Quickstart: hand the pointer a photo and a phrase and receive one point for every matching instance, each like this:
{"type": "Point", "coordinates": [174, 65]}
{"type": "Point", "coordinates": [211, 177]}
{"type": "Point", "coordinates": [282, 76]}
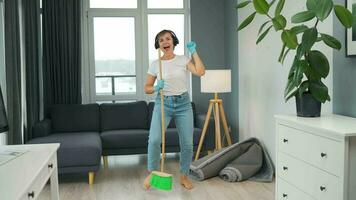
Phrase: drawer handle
{"type": "Point", "coordinates": [322, 188]}
{"type": "Point", "coordinates": [285, 168]}
{"type": "Point", "coordinates": [323, 155]}
{"type": "Point", "coordinates": [31, 194]}
{"type": "Point", "coordinates": [50, 166]}
{"type": "Point", "coordinates": [284, 195]}
{"type": "Point", "coordinates": [285, 140]}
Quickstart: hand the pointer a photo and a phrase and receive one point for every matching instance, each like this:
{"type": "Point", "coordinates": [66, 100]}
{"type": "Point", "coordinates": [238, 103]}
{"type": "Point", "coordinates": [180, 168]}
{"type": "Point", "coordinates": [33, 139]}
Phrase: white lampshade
{"type": "Point", "coordinates": [216, 81]}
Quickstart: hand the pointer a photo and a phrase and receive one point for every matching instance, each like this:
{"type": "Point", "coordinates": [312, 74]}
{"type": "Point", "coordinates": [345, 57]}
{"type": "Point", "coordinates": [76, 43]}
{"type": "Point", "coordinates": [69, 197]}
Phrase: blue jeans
{"type": "Point", "coordinates": [180, 109]}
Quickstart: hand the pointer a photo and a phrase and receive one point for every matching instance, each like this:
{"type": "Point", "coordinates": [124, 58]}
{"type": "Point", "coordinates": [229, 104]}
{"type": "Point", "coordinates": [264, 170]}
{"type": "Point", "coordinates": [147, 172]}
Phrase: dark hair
{"type": "Point", "coordinates": [174, 37]}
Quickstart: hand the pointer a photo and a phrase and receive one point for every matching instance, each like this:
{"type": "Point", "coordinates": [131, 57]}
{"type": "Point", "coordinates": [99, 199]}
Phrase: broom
{"type": "Point", "coordinates": [160, 179]}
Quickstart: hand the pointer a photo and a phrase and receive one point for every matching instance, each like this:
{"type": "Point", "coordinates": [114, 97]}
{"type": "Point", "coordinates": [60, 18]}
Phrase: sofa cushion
{"type": "Point", "coordinates": [119, 116]}
{"type": "Point", "coordinates": [76, 149]}
{"type": "Point", "coordinates": [172, 124]}
{"type": "Point", "coordinates": [129, 138]}
{"type": "Point", "coordinates": [75, 118]}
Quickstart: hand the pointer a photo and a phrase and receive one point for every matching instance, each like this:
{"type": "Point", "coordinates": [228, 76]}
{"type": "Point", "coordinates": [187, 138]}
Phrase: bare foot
{"type": "Point", "coordinates": [146, 182]}
{"type": "Point", "coordinates": [186, 182]}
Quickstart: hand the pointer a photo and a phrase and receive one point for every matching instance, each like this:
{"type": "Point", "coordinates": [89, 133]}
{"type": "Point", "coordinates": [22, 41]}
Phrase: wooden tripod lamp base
{"type": "Point", "coordinates": [215, 105]}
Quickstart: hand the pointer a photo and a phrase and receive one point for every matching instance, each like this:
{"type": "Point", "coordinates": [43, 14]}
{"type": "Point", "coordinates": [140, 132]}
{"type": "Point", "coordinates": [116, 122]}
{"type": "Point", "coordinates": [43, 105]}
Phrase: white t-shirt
{"type": "Point", "coordinates": [175, 74]}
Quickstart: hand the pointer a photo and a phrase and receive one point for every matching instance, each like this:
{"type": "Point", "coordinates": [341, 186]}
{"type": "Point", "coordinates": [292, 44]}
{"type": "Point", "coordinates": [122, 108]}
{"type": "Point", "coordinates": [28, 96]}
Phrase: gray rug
{"type": "Point", "coordinates": [246, 160]}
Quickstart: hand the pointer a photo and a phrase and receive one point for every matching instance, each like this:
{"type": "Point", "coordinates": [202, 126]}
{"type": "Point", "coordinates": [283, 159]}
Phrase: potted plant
{"type": "Point", "coordinates": [309, 65]}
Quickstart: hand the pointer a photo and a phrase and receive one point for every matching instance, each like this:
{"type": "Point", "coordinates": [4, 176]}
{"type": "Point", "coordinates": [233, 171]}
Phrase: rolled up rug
{"type": "Point", "coordinates": [244, 166]}
{"type": "Point", "coordinates": [210, 166]}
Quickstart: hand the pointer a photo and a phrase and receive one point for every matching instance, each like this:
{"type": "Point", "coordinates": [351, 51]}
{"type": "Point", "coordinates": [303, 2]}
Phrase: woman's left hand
{"type": "Point", "coordinates": [192, 47]}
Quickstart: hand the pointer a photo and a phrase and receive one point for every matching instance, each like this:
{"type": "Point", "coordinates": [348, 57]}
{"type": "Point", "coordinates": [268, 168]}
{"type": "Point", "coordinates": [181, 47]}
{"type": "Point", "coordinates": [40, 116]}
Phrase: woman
{"type": "Point", "coordinates": [177, 105]}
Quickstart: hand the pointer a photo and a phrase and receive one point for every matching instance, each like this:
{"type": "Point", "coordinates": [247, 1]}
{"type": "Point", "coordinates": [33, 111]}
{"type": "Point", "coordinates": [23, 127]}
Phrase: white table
{"type": "Point", "coordinates": [25, 176]}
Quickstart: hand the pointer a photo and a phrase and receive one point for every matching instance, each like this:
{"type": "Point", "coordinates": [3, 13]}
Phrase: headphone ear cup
{"type": "Point", "coordinates": [175, 41]}
{"type": "Point", "coordinates": [175, 38]}
{"type": "Point", "coordinates": [156, 42]}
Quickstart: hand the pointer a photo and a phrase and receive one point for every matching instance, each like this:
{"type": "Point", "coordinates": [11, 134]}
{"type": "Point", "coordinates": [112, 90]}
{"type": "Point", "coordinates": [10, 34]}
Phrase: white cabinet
{"type": "Point", "coordinates": [41, 179]}
{"type": "Point", "coordinates": [316, 158]}
{"type": "Point", "coordinates": [286, 191]}
{"type": "Point", "coordinates": [25, 176]}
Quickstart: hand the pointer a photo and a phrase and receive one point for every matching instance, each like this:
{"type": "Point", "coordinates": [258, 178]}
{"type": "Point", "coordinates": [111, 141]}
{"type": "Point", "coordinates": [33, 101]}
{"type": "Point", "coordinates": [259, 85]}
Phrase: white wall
{"type": "Point", "coordinates": [262, 79]}
{"type": "Point", "coordinates": [3, 138]}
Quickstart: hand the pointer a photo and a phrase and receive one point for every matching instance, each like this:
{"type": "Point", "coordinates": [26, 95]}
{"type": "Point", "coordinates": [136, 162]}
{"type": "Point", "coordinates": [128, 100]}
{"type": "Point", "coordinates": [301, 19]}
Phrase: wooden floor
{"type": "Point", "coordinates": [123, 180]}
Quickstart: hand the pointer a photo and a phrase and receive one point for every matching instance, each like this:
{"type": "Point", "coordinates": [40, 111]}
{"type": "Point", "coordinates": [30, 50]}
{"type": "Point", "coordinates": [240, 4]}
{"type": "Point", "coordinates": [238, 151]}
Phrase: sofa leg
{"type": "Point", "coordinates": [91, 178]}
{"type": "Point", "coordinates": [106, 162]}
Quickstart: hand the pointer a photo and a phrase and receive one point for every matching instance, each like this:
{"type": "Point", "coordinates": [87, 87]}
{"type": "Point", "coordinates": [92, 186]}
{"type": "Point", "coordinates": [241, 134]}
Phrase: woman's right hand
{"type": "Point", "coordinates": [159, 86]}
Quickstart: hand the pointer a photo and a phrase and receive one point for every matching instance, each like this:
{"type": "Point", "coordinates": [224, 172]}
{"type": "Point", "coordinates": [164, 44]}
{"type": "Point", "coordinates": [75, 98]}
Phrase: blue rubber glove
{"type": "Point", "coordinates": [192, 47]}
{"type": "Point", "coordinates": [159, 85]}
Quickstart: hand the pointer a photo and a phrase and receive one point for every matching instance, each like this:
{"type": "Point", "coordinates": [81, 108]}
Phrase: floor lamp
{"type": "Point", "coordinates": [215, 81]}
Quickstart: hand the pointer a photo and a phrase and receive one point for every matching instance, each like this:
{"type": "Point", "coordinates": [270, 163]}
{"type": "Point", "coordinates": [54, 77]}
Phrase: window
{"type": "Point", "coordinates": [113, 3]}
{"type": "Point", "coordinates": [114, 53]}
{"type": "Point", "coordinates": [119, 44]}
{"type": "Point", "coordinates": [164, 4]}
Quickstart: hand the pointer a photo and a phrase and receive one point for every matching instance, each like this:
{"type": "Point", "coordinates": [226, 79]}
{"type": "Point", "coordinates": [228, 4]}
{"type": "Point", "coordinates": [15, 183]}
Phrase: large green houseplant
{"type": "Point", "coordinates": [309, 65]}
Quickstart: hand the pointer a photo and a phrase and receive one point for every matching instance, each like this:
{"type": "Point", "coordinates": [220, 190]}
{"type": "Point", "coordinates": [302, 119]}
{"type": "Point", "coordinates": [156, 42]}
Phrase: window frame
{"type": "Point", "coordinates": [113, 13]}
{"type": "Point", "coordinates": [140, 15]}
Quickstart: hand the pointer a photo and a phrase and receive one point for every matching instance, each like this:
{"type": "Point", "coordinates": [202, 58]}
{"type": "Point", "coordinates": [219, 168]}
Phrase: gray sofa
{"type": "Point", "coordinates": [87, 132]}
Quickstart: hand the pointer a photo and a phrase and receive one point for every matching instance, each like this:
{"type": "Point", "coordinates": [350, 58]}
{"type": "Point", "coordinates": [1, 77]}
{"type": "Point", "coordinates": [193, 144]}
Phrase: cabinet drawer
{"type": "Point", "coordinates": [315, 182]}
{"type": "Point", "coordinates": [285, 191]}
{"type": "Point", "coordinates": [40, 179]}
{"type": "Point", "coordinates": [321, 152]}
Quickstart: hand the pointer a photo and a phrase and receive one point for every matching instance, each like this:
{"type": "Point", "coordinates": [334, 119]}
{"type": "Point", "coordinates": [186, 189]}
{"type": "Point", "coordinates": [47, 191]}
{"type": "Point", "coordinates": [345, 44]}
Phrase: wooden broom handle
{"type": "Point", "coordinates": [162, 114]}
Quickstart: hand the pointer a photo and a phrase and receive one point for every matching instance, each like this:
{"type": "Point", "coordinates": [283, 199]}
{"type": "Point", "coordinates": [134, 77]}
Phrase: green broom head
{"type": "Point", "coordinates": [161, 180]}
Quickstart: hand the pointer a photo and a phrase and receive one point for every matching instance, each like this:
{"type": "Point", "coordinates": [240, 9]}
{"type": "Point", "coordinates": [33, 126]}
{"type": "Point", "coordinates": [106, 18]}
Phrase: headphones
{"type": "Point", "coordinates": [174, 37]}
